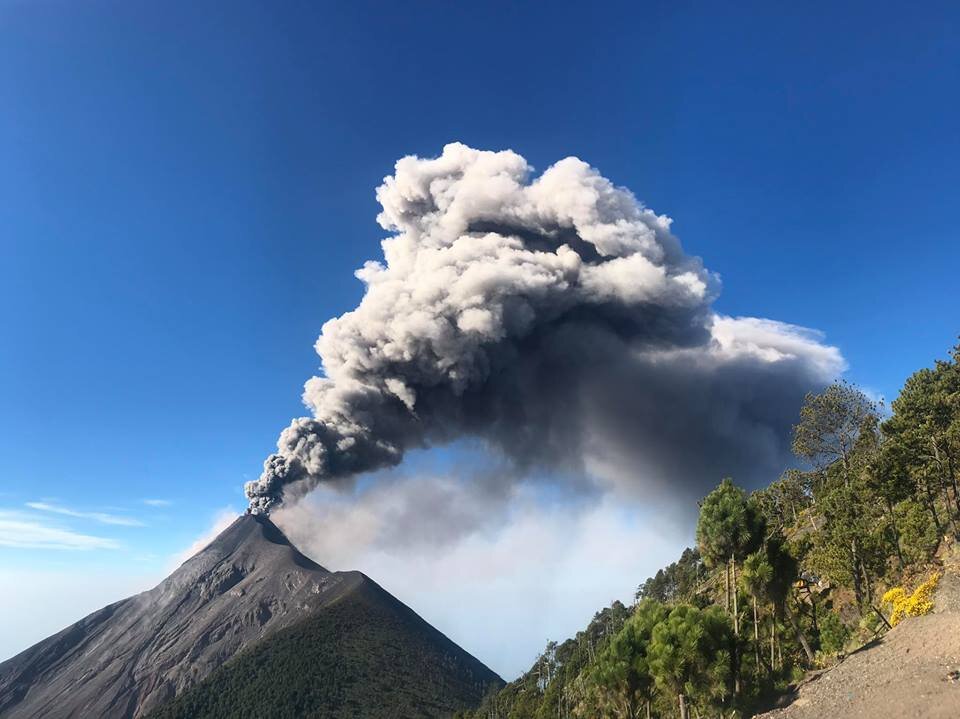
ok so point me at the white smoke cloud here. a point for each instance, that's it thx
(531, 571)
(556, 319)
(558, 323)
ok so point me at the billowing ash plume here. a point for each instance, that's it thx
(554, 317)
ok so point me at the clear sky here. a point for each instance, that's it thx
(187, 188)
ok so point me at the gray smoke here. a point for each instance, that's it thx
(556, 319)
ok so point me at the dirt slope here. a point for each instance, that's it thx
(911, 672)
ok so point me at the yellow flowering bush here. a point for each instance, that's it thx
(913, 605)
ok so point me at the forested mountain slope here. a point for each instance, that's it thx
(366, 656)
(792, 578)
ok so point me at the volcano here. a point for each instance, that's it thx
(249, 626)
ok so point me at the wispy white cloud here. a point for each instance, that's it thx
(23, 531)
(102, 517)
(157, 502)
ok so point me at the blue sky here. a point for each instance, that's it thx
(187, 188)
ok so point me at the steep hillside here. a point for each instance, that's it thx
(367, 656)
(913, 671)
(248, 584)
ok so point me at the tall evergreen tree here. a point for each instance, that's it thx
(924, 436)
(730, 526)
(690, 657)
(620, 678)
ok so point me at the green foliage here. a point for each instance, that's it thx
(730, 525)
(838, 432)
(851, 543)
(690, 654)
(757, 576)
(785, 570)
(830, 424)
(784, 501)
(923, 439)
(528, 697)
(675, 583)
(872, 504)
(918, 535)
(361, 659)
(833, 634)
(619, 680)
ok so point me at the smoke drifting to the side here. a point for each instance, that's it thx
(553, 317)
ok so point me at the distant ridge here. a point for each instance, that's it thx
(241, 591)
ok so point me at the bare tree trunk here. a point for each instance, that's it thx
(802, 639)
(773, 640)
(726, 588)
(883, 618)
(756, 634)
(813, 610)
(855, 573)
(953, 479)
(854, 545)
(896, 533)
(683, 707)
(736, 630)
(932, 506)
(952, 516)
(733, 588)
(868, 592)
(945, 478)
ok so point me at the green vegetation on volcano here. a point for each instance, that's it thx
(782, 580)
(365, 657)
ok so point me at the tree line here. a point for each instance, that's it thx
(782, 579)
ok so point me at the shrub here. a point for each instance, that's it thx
(913, 605)
(833, 634)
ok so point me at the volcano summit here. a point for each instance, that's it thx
(334, 643)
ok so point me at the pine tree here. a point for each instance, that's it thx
(621, 677)
(730, 526)
(924, 436)
(690, 656)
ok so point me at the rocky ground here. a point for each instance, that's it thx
(913, 671)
